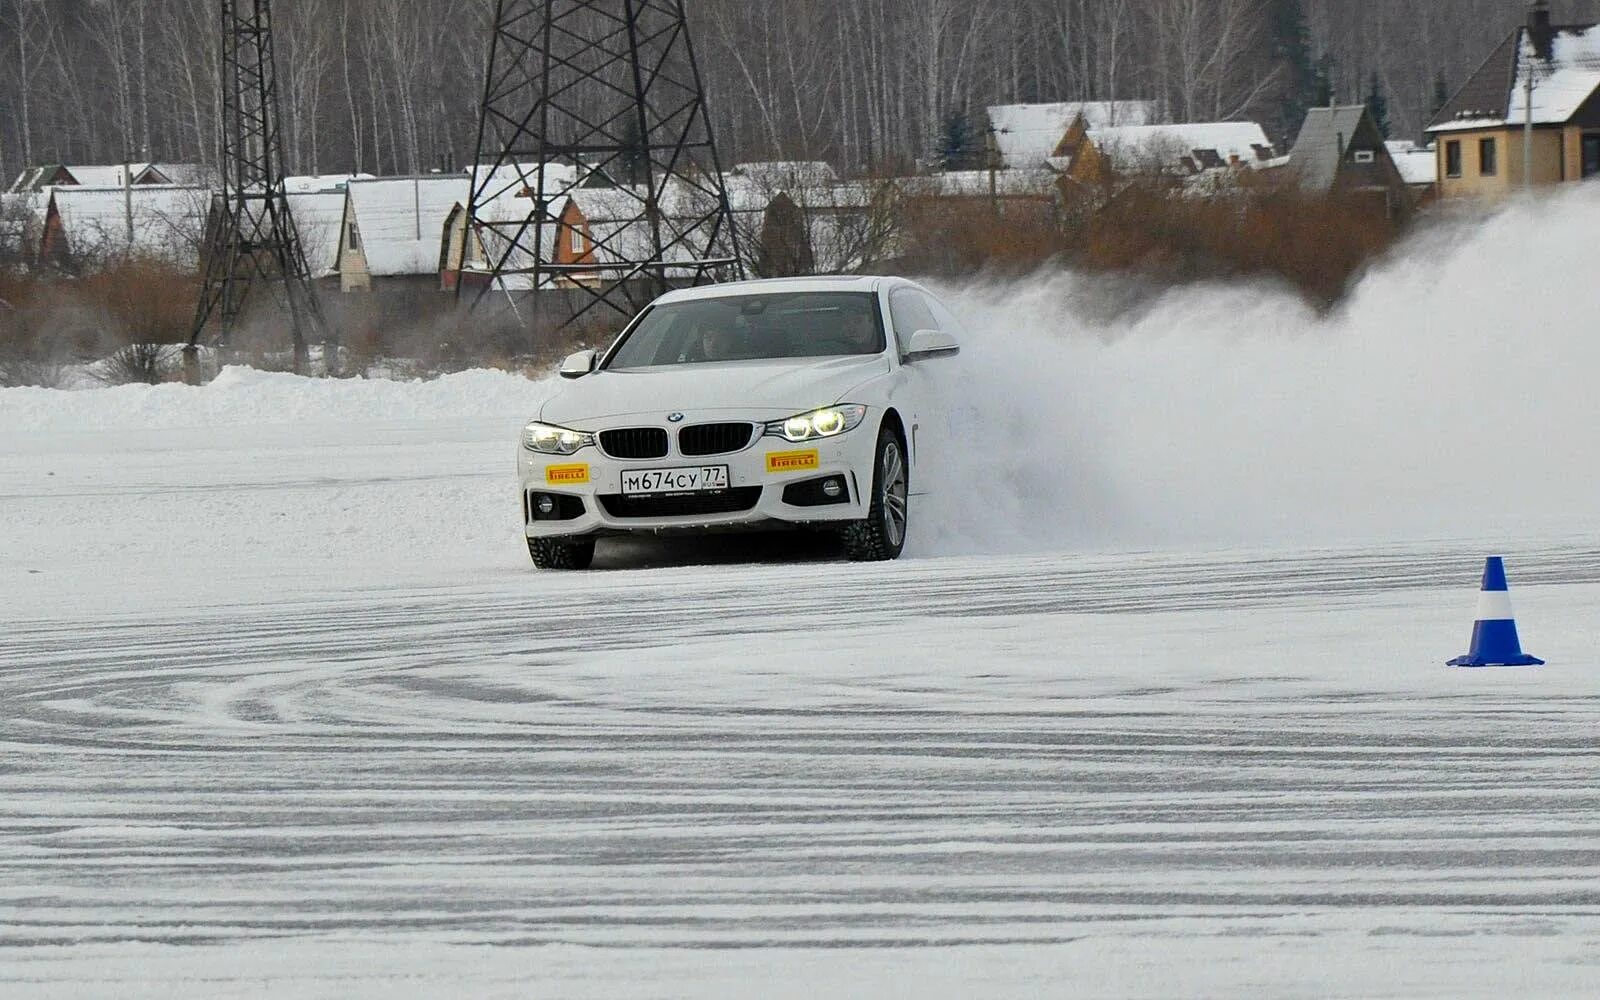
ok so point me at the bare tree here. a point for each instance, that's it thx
(391, 85)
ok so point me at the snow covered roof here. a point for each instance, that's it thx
(787, 173)
(975, 184)
(1564, 71)
(608, 204)
(317, 217)
(1561, 83)
(168, 220)
(108, 175)
(101, 176)
(401, 219)
(1027, 134)
(1417, 164)
(321, 182)
(518, 180)
(747, 195)
(1184, 148)
(187, 174)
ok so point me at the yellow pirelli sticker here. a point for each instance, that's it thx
(792, 461)
(566, 475)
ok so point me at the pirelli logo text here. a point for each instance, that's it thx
(566, 475)
(792, 461)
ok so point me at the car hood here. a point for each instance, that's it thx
(772, 388)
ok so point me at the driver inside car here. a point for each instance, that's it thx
(858, 332)
(718, 341)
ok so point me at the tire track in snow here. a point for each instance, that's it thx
(580, 760)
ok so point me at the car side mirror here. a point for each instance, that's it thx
(927, 344)
(578, 365)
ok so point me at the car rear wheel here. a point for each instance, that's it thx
(882, 535)
(558, 553)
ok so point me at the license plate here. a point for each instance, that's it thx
(697, 479)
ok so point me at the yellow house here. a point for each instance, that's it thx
(1544, 73)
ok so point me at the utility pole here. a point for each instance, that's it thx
(251, 238)
(1537, 36)
(1527, 123)
(607, 93)
(127, 196)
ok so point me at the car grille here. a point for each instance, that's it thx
(635, 442)
(714, 439)
(683, 505)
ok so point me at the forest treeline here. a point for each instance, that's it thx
(391, 86)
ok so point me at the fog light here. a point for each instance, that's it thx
(832, 487)
(546, 504)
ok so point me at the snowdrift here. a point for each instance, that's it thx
(245, 397)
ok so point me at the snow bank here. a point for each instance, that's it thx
(1452, 397)
(245, 397)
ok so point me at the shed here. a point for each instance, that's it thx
(1027, 135)
(85, 225)
(391, 227)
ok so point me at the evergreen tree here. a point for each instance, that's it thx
(960, 143)
(1378, 104)
(634, 162)
(1291, 51)
(1441, 94)
(1324, 83)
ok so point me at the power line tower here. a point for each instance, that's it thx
(251, 237)
(594, 106)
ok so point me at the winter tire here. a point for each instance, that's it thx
(882, 535)
(555, 553)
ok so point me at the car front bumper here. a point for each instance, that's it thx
(771, 483)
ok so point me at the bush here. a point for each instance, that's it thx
(956, 237)
(146, 363)
(1315, 244)
(133, 311)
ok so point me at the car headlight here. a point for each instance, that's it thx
(830, 421)
(549, 439)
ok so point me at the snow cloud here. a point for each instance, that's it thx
(1451, 396)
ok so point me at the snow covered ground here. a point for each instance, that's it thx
(1157, 707)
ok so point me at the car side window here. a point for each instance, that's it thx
(910, 313)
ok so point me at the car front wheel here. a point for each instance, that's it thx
(559, 553)
(883, 534)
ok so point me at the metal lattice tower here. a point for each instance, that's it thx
(251, 237)
(596, 102)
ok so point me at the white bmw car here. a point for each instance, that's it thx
(796, 402)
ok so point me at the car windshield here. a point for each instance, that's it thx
(767, 326)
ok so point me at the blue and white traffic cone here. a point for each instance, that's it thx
(1494, 636)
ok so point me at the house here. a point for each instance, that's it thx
(1418, 166)
(390, 228)
(321, 183)
(83, 226)
(800, 218)
(780, 175)
(1021, 185)
(1341, 150)
(504, 237)
(588, 235)
(318, 219)
(109, 176)
(1027, 135)
(1090, 158)
(1537, 88)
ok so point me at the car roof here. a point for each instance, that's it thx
(831, 283)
